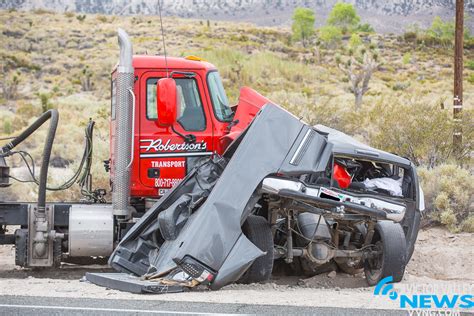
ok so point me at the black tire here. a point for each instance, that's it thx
(389, 239)
(257, 230)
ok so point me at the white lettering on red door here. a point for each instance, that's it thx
(167, 164)
(158, 145)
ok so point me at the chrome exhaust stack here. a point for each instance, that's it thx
(124, 132)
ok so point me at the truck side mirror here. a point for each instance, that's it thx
(166, 101)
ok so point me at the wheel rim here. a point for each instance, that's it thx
(374, 265)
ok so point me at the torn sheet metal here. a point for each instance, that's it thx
(199, 221)
(129, 283)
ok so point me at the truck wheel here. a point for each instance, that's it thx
(257, 230)
(389, 242)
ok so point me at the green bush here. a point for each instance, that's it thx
(303, 24)
(344, 16)
(365, 28)
(45, 99)
(469, 43)
(406, 58)
(330, 35)
(440, 33)
(355, 41)
(442, 30)
(470, 64)
(448, 196)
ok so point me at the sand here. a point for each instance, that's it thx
(441, 258)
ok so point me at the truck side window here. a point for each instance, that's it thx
(220, 103)
(191, 114)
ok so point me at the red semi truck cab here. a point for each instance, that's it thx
(206, 122)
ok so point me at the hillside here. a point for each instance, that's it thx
(385, 16)
(64, 60)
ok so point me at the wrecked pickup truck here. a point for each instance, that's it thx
(283, 192)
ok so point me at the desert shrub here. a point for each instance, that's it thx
(448, 196)
(470, 78)
(406, 58)
(103, 19)
(80, 17)
(69, 14)
(15, 61)
(365, 28)
(410, 36)
(24, 113)
(421, 132)
(7, 126)
(400, 86)
(355, 41)
(470, 64)
(42, 11)
(468, 225)
(442, 31)
(27, 110)
(9, 85)
(469, 43)
(330, 35)
(45, 101)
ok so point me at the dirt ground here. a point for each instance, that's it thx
(441, 259)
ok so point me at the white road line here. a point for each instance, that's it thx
(73, 308)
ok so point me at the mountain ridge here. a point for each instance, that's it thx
(384, 16)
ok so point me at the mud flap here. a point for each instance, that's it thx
(128, 283)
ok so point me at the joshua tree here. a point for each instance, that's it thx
(359, 70)
(86, 82)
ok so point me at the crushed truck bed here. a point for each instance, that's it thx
(194, 234)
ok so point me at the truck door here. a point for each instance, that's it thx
(165, 156)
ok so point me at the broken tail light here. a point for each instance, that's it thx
(197, 270)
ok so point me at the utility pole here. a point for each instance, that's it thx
(458, 67)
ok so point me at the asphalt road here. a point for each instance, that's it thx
(33, 305)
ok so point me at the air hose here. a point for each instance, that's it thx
(54, 117)
(80, 176)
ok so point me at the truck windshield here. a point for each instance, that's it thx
(220, 103)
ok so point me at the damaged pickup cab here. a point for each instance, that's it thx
(285, 193)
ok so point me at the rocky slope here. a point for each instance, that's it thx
(385, 16)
